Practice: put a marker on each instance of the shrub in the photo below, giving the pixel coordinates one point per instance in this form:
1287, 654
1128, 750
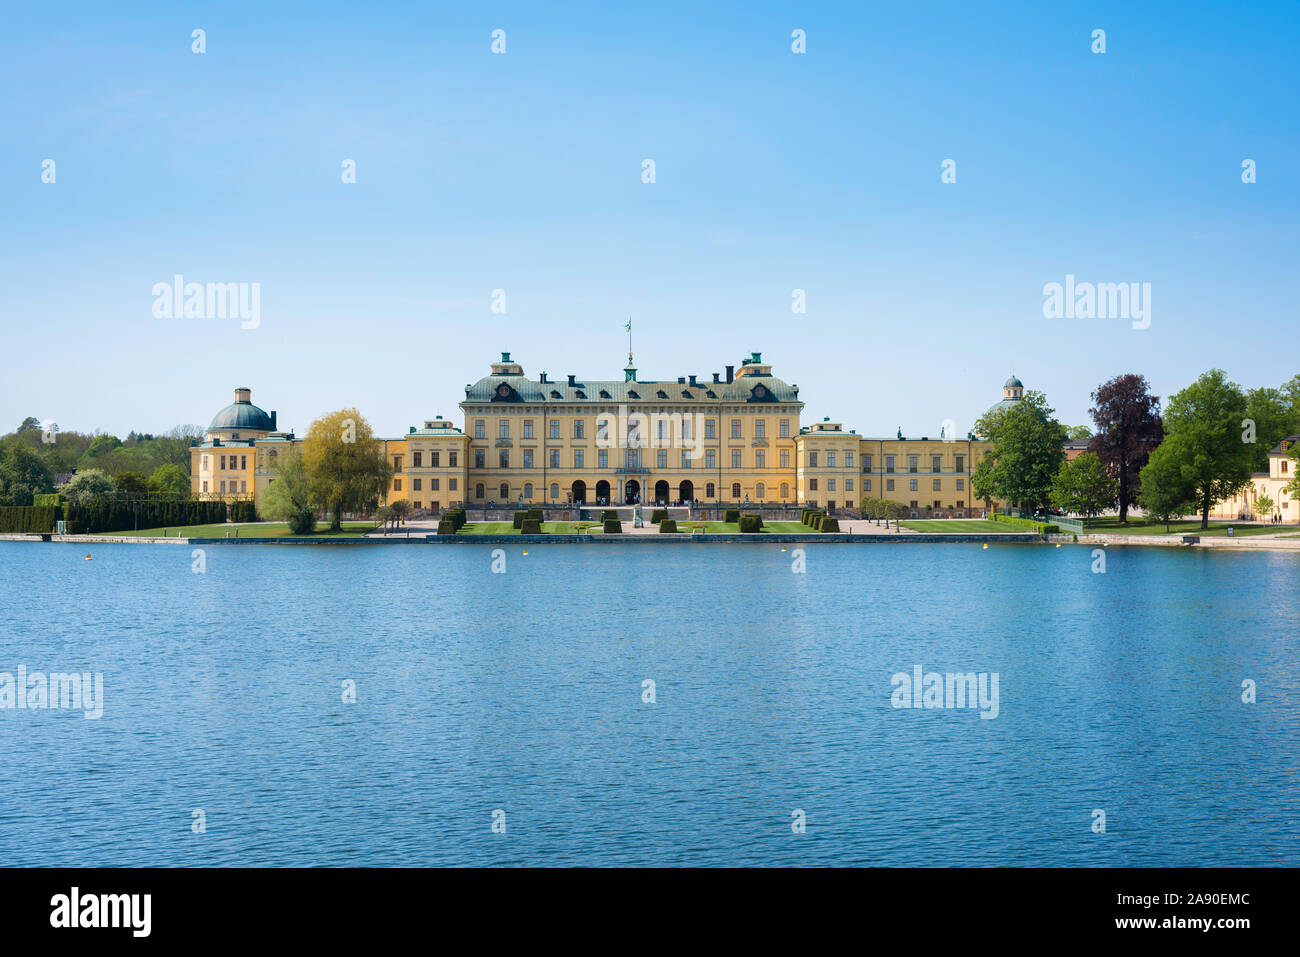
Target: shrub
243, 512
829, 524
612, 526
731, 515
658, 515
517, 521
28, 518
531, 526
609, 514
755, 516
446, 526
302, 523
48, 500
751, 524
668, 525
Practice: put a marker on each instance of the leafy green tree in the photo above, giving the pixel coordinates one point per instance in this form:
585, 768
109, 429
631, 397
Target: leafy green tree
400, 508
1077, 433
23, 473
288, 497
89, 487
132, 484
1027, 452
1263, 507
346, 464
1128, 423
171, 480
100, 445
1203, 458
1084, 486
1274, 419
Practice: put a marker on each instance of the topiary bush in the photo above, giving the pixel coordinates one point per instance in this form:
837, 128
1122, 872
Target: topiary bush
753, 515
446, 526
731, 515
608, 514
658, 515
613, 526
530, 526
751, 524
829, 524
668, 525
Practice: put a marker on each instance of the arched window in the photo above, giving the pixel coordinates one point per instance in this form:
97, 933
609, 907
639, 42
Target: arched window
735, 490
528, 490
760, 490
708, 490
785, 491
505, 491
555, 490
478, 490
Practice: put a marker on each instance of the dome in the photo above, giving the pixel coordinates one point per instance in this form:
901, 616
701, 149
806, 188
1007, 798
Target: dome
1013, 383
242, 414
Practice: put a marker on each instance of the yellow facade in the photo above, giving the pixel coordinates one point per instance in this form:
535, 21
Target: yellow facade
1271, 484
734, 439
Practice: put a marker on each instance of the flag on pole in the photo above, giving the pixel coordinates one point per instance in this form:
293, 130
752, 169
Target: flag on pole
628, 327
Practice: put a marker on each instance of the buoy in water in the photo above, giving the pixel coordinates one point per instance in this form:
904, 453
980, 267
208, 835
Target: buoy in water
986, 544
88, 558
525, 551
782, 548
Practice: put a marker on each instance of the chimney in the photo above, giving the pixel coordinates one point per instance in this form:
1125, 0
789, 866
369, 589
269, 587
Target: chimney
272, 420
693, 382
243, 395
715, 377
572, 379
731, 373
543, 376
681, 380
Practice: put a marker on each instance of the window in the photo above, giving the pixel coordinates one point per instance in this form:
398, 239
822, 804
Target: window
938, 485
785, 458
416, 485
578, 455
760, 428
528, 458
830, 460
911, 485
451, 486
735, 458
223, 488
866, 485
785, 428
243, 486
434, 456
633, 458
397, 463
662, 461
602, 458
867, 462
505, 491
848, 460
434, 484
913, 463
848, 485
223, 463
710, 458
960, 503
554, 459
812, 485
503, 458
503, 429
889, 485
602, 431
686, 427
959, 463
686, 458
417, 459
936, 463
555, 490
961, 486
205, 463
710, 429
735, 428
528, 428
735, 490
205, 486
785, 491
760, 458
451, 459
554, 429
889, 464
243, 462
708, 490
936, 504
1284, 466
760, 490
480, 459
812, 460
830, 485
397, 485
478, 434
528, 490
577, 429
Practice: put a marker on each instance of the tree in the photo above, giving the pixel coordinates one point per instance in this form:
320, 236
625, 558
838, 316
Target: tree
1263, 507
30, 424
23, 473
400, 508
1027, 453
88, 487
345, 463
1128, 423
100, 445
132, 484
1084, 486
171, 480
1274, 419
288, 497
1203, 458
1077, 433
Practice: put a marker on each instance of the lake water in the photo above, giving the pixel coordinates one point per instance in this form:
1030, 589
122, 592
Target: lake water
523, 692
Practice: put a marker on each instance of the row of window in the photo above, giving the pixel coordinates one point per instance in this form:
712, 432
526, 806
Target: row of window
435, 460
579, 428
631, 458
237, 463
913, 462
243, 487
760, 490
417, 485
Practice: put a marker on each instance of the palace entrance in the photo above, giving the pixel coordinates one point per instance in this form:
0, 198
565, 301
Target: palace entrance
602, 492
579, 492
661, 492
632, 492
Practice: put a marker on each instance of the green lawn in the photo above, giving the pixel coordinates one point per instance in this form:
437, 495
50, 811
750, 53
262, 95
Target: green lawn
960, 526
1140, 526
258, 530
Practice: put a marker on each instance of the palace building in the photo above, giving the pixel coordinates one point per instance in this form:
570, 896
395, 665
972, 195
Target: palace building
735, 437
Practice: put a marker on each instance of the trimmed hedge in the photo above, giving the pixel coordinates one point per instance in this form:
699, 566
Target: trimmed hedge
243, 512
830, 524
613, 526
30, 519
446, 526
668, 525
751, 524
731, 515
48, 500
456, 516
658, 515
1027, 524
608, 514
754, 515
530, 526
121, 516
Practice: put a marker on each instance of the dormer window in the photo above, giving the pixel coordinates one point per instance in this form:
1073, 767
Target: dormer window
687, 395
604, 394
554, 394
661, 394
633, 394
711, 394
581, 394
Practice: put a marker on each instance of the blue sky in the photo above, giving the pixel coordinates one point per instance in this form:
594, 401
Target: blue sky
522, 172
